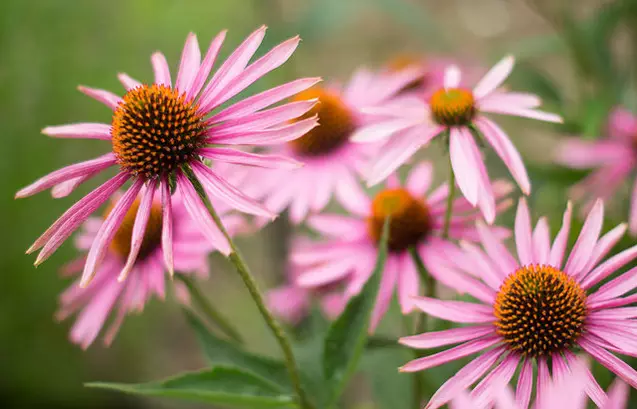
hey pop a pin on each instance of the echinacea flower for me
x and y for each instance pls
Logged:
(614, 158)
(292, 302)
(95, 303)
(534, 309)
(348, 250)
(458, 111)
(331, 162)
(158, 129)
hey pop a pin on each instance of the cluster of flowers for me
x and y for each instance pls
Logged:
(171, 140)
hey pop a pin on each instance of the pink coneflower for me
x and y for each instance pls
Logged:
(614, 157)
(147, 276)
(292, 302)
(417, 218)
(456, 110)
(158, 129)
(331, 162)
(534, 309)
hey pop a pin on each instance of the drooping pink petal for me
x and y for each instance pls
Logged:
(461, 351)
(236, 156)
(290, 303)
(107, 232)
(351, 196)
(632, 218)
(494, 78)
(495, 382)
(506, 151)
(447, 337)
(270, 136)
(523, 235)
(161, 70)
(337, 226)
(105, 97)
(497, 251)
(419, 179)
(66, 188)
(610, 361)
(300, 205)
(583, 248)
(486, 198)
(543, 379)
(592, 388)
(326, 273)
(604, 245)
(82, 130)
(456, 311)
(408, 284)
(206, 65)
(463, 163)
(128, 82)
(231, 67)
(622, 124)
(453, 76)
(229, 194)
(270, 61)
(92, 318)
(556, 256)
(67, 173)
(525, 113)
(616, 287)
(525, 385)
(167, 226)
(139, 227)
(264, 99)
(197, 210)
(385, 292)
(541, 241)
(189, 64)
(609, 266)
(618, 394)
(398, 150)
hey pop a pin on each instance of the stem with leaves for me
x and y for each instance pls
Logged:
(242, 268)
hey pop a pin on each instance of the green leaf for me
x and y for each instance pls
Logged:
(347, 336)
(220, 386)
(219, 351)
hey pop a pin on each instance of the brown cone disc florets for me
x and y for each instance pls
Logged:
(410, 220)
(453, 106)
(540, 310)
(121, 243)
(155, 130)
(336, 123)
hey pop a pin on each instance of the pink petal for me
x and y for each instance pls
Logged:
(455, 311)
(452, 77)
(270, 61)
(506, 151)
(525, 113)
(270, 136)
(167, 226)
(609, 266)
(525, 385)
(351, 196)
(233, 66)
(486, 198)
(556, 256)
(494, 78)
(197, 211)
(543, 379)
(78, 213)
(618, 394)
(616, 287)
(408, 284)
(604, 245)
(610, 361)
(419, 179)
(632, 218)
(398, 150)
(446, 337)
(66, 188)
(289, 303)
(463, 163)
(381, 131)
(385, 293)
(622, 124)
(264, 99)
(497, 252)
(236, 156)
(81, 130)
(326, 273)
(581, 154)
(300, 205)
(523, 237)
(520, 99)
(189, 64)
(139, 227)
(496, 381)
(461, 351)
(220, 188)
(337, 226)
(482, 264)
(594, 391)
(67, 173)
(583, 248)
(128, 82)
(160, 67)
(107, 232)
(208, 61)
(541, 241)
(105, 97)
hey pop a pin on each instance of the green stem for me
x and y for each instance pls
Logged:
(208, 309)
(449, 211)
(243, 270)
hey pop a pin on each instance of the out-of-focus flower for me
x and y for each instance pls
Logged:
(331, 162)
(158, 129)
(413, 122)
(147, 278)
(534, 308)
(615, 160)
(349, 249)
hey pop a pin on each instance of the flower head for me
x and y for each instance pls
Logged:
(147, 277)
(158, 129)
(534, 308)
(331, 162)
(614, 159)
(458, 111)
(348, 251)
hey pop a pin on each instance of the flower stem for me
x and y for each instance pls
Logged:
(209, 310)
(243, 270)
(450, 197)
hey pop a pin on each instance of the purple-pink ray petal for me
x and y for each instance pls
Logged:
(456, 311)
(236, 156)
(556, 257)
(452, 77)
(463, 163)
(167, 226)
(105, 97)
(609, 266)
(583, 248)
(592, 388)
(189, 64)
(206, 65)
(66, 188)
(160, 68)
(497, 251)
(446, 337)
(385, 293)
(494, 78)
(270, 136)
(128, 82)
(525, 385)
(610, 361)
(604, 245)
(351, 196)
(495, 382)
(81, 130)
(541, 241)
(616, 287)
(419, 179)
(523, 235)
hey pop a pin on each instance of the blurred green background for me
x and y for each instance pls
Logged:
(49, 47)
